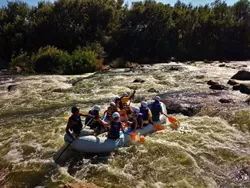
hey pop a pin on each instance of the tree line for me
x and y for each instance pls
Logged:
(75, 36)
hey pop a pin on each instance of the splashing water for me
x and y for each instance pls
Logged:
(204, 152)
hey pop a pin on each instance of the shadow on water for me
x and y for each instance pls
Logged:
(81, 160)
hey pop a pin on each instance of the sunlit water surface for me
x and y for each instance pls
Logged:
(204, 152)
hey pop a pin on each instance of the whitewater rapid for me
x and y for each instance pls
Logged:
(205, 152)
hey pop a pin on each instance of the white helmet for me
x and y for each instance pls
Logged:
(124, 94)
(115, 115)
(112, 104)
(117, 98)
(157, 98)
(137, 110)
(96, 107)
(144, 103)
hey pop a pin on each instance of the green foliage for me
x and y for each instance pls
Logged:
(83, 61)
(23, 61)
(50, 60)
(146, 32)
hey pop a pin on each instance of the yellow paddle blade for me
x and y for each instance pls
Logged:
(158, 127)
(66, 118)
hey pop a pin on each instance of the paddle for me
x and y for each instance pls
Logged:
(71, 142)
(136, 137)
(158, 127)
(173, 121)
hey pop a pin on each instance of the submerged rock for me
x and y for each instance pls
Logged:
(221, 65)
(232, 82)
(248, 101)
(174, 68)
(139, 80)
(236, 87)
(210, 82)
(152, 90)
(222, 100)
(11, 87)
(218, 87)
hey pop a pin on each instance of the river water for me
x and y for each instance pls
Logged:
(204, 152)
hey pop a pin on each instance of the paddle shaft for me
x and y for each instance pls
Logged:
(165, 115)
(72, 141)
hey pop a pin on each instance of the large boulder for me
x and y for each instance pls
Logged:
(241, 75)
(174, 107)
(245, 88)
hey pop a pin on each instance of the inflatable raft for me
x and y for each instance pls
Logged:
(101, 144)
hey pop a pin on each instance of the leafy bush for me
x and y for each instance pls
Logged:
(51, 60)
(83, 61)
(23, 61)
(97, 48)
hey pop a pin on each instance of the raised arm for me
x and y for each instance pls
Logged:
(132, 95)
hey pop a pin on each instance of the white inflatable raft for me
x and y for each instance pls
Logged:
(98, 144)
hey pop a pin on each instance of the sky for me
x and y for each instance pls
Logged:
(172, 2)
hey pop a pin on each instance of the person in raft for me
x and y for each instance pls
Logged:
(124, 101)
(156, 109)
(74, 124)
(115, 126)
(120, 110)
(95, 123)
(146, 113)
(108, 113)
(124, 107)
(117, 102)
(137, 119)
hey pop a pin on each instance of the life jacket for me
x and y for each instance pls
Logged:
(124, 102)
(144, 112)
(114, 131)
(156, 108)
(91, 112)
(76, 128)
(139, 119)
